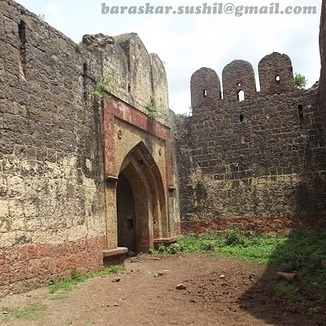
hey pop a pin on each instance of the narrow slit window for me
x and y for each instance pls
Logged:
(302, 120)
(241, 118)
(205, 92)
(22, 48)
(241, 95)
(85, 70)
(300, 108)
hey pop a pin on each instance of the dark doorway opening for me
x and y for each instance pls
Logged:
(126, 214)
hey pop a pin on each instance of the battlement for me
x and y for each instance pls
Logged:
(239, 83)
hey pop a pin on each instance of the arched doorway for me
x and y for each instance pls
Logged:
(126, 214)
(141, 201)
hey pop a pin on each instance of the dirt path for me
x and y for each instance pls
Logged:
(218, 292)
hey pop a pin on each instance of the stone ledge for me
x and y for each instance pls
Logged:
(115, 252)
(165, 241)
(115, 256)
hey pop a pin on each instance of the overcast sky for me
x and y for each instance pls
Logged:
(186, 43)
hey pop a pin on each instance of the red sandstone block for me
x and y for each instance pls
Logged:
(16, 254)
(46, 250)
(80, 246)
(66, 262)
(18, 272)
(49, 262)
(66, 274)
(33, 251)
(4, 266)
(52, 266)
(36, 267)
(25, 285)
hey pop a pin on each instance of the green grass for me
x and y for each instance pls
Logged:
(291, 291)
(76, 278)
(30, 312)
(78, 47)
(291, 252)
(298, 252)
(257, 249)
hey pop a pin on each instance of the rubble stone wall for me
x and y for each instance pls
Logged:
(53, 211)
(263, 156)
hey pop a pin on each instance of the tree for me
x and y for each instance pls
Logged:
(300, 81)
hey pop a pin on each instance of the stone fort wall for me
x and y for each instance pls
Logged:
(53, 206)
(322, 43)
(245, 153)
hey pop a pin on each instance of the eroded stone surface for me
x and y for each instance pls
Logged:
(56, 145)
(262, 156)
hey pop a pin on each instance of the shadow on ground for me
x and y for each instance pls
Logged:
(292, 291)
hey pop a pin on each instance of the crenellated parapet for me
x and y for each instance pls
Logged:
(205, 87)
(275, 74)
(239, 83)
(248, 153)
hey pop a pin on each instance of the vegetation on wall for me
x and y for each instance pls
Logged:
(105, 86)
(154, 111)
(79, 47)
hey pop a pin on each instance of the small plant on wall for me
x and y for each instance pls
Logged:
(153, 109)
(105, 86)
(79, 47)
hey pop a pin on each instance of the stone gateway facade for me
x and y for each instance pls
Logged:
(87, 161)
(93, 162)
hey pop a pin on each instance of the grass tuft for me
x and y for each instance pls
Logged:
(76, 278)
(30, 312)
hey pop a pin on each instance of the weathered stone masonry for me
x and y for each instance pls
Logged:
(322, 43)
(258, 156)
(63, 152)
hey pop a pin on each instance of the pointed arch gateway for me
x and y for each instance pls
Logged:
(141, 201)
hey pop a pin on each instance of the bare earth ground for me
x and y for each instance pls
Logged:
(218, 292)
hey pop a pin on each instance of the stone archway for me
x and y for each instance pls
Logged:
(141, 201)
